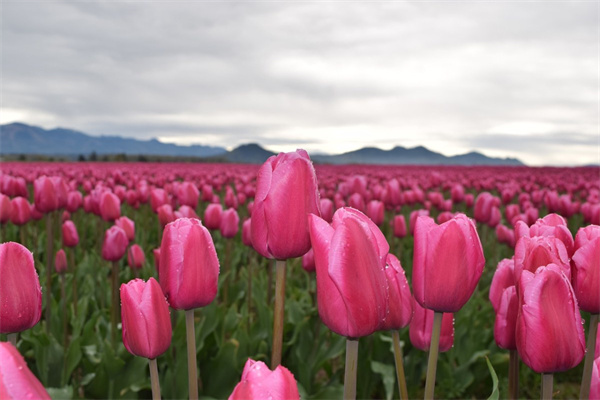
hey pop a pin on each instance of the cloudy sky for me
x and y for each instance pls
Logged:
(507, 78)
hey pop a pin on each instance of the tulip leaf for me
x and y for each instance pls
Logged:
(64, 393)
(388, 374)
(495, 393)
(72, 358)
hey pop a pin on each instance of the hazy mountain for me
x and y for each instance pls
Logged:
(19, 138)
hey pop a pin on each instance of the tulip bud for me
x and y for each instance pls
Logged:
(376, 212)
(549, 332)
(110, 206)
(448, 262)
(504, 277)
(413, 219)
(128, 226)
(186, 212)
(5, 208)
(308, 261)
(230, 223)
(506, 319)
(16, 379)
(247, 232)
(45, 196)
(259, 382)
(158, 197)
(165, 215)
(399, 226)
(212, 216)
(70, 236)
(350, 256)
(136, 257)
(74, 201)
(60, 262)
(115, 244)
(326, 206)
(400, 299)
(188, 194)
(421, 327)
(20, 211)
(586, 269)
(146, 321)
(505, 235)
(286, 193)
(20, 291)
(188, 267)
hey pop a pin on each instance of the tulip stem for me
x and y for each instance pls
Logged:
(12, 338)
(191, 350)
(269, 281)
(586, 380)
(433, 355)
(154, 379)
(64, 311)
(49, 257)
(249, 293)
(513, 375)
(279, 314)
(547, 380)
(351, 368)
(22, 233)
(115, 302)
(399, 366)
(73, 268)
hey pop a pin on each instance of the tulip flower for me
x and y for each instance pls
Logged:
(20, 211)
(308, 261)
(259, 382)
(247, 232)
(156, 254)
(188, 274)
(165, 215)
(16, 379)
(110, 206)
(158, 197)
(552, 225)
(212, 216)
(376, 212)
(128, 226)
(45, 194)
(448, 262)
(586, 280)
(595, 380)
(74, 201)
(326, 206)
(60, 262)
(69, 234)
(504, 277)
(146, 323)
(421, 328)
(20, 291)
(188, 194)
(549, 332)
(350, 257)
(505, 235)
(399, 226)
(5, 208)
(412, 220)
(136, 257)
(230, 223)
(186, 212)
(538, 251)
(115, 243)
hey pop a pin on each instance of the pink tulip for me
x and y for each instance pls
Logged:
(259, 382)
(247, 232)
(448, 262)
(156, 254)
(188, 267)
(146, 321)
(70, 236)
(539, 251)
(115, 244)
(506, 319)
(413, 218)
(399, 226)
(326, 209)
(212, 216)
(16, 379)
(188, 194)
(74, 201)
(357, 201)
(483, 207)
(552, 225)
(586, 269)
(60, 262)
(65, 216)
(505, 235)
(286, 193)
(549, 332)
(136, 257)
(504, 277)
(350, 257)
(128, 226)
(158, 197)
(376, 212)
(400, 298)
(110, 206)
(5, 208)
(20, 291)
(45, 194)
(230, 198)
(186, 212)
(308, 261)
(165, 215)
(20, 211)
(230, 223)
(421, 327)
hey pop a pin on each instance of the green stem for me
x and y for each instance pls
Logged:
(154, 379)
(433, 355)
(269, 282)
(115, 306)
(586, 380)
(191, 350)
(12, 338)
(249, 293)
(399, 359)
(278, 314)
(513, 375)
(547, 386)
(74, 270)
(64, 312)
(351, 369)
(49, 267)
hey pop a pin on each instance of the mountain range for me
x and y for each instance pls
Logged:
(19, 138)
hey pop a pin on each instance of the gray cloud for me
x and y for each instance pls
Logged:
(453, 76)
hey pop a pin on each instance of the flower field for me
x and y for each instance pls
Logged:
(77, 349)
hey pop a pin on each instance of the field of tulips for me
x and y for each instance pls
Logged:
(342, 275)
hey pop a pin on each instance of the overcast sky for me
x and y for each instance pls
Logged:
(509, 79)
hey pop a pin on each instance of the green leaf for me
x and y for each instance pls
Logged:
(64, 393)
(495, 394)
(388, 374)
(72, 359)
